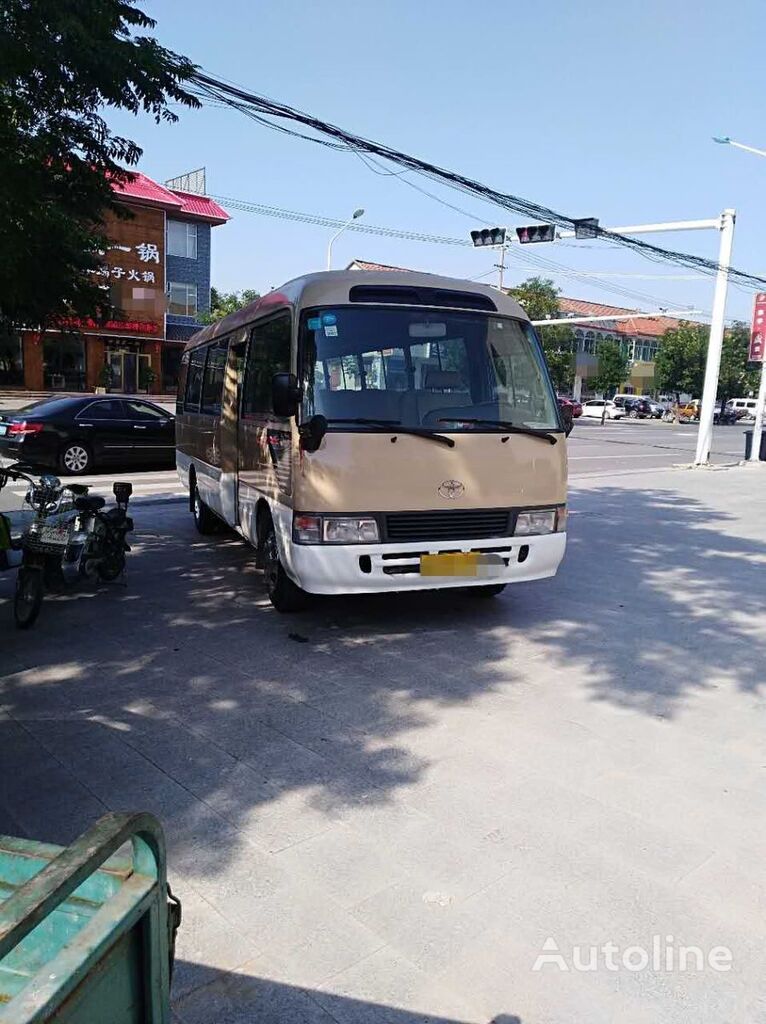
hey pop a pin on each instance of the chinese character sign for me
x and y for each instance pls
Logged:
(133, 272)
(758, 332)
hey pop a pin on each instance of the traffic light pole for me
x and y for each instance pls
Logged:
(715, 343)
(501, 267)
(725, 226)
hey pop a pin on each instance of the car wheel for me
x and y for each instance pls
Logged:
(284, 595)
(205, 520)
(75, 458)
(633, 414)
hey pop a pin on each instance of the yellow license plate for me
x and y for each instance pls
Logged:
(453, 563)
(462, 563)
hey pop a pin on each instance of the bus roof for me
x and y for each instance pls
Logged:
(333, 288)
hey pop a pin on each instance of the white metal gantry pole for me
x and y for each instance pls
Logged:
(713, 364)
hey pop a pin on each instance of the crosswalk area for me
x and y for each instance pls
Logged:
(156, 485)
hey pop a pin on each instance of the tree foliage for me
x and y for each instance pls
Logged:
(540, 299)
(223, 303)
(680, 363)
(61, 63)
(613, 368)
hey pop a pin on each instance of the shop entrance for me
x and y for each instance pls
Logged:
(130, 371)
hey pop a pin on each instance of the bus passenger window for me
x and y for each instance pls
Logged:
(269, 353)
(194, 380)
(212, 386)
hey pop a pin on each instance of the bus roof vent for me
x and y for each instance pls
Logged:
(405, 295)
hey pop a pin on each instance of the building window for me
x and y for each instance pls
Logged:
(182, 239)
(64, 363)
(11, 360)
(183, 299)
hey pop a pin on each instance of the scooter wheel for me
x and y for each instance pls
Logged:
(28, 597)
(110, 569)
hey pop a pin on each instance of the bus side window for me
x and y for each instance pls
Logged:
(212, 386)
(194, 380)
(182, 374)
(269, 353)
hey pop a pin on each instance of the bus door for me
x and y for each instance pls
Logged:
(229, 428)
(265, 443)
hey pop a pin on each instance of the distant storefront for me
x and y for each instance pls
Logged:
(157, 273)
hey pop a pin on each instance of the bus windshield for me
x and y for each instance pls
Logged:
(446, 371)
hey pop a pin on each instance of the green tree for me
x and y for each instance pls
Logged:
(540, 299)
(680, 363)
(223, 303)
(734, 378)
(62, 62)
(613, 368)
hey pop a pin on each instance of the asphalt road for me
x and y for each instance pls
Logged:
(383, 810)
(631, 446)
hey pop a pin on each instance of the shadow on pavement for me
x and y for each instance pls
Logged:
(241, 998)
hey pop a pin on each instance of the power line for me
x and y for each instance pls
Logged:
(520, 254)
(264, 111)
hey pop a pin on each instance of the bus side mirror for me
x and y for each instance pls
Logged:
(568, 419)
(285, 394)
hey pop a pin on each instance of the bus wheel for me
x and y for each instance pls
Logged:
(285, 595)
(490, 591)
(204, 519)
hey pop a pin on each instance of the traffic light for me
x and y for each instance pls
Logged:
(537, 233)
(586, 227)
(488, 236)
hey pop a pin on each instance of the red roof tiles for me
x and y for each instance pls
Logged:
(142, 189)
(653, 327)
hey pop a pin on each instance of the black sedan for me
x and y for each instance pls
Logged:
(75, 435)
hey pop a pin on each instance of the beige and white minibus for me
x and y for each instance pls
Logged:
(372, 432)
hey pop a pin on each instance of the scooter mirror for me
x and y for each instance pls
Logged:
(122, 491)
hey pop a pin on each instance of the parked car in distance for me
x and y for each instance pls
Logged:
(658, 409)
(595, 409)
(638, 408)
(726, 417)
(688, 412)
(743, 408)
(74, 435)
(575, 406)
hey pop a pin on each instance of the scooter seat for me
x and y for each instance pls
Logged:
(89, 503)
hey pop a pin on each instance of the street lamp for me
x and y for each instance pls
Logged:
(354, 216)
(724, 140)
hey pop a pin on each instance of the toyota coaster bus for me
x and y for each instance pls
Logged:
(368, 432)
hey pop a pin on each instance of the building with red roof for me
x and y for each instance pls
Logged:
(156, 271)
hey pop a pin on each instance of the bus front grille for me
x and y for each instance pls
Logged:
(448, 524)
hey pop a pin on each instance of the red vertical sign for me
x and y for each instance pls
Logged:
(758, 332)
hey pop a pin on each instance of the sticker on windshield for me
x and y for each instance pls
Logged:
(328, 319)
(331, 331)
(315, 323)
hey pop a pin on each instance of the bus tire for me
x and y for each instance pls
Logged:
(492, 590)
(205, 520)
(284, 595)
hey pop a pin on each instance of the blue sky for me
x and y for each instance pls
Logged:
(594, 108)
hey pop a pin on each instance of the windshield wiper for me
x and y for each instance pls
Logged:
(504, 425)
(399, 429)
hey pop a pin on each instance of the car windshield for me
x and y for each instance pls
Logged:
(415, 368)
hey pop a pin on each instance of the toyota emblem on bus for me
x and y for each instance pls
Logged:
(451, 488)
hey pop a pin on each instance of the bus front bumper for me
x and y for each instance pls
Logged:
(375, 568)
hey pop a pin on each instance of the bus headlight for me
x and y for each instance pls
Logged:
(315, 529)
(350, 530)
(532, 523)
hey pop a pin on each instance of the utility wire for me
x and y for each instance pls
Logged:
(270, 113)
